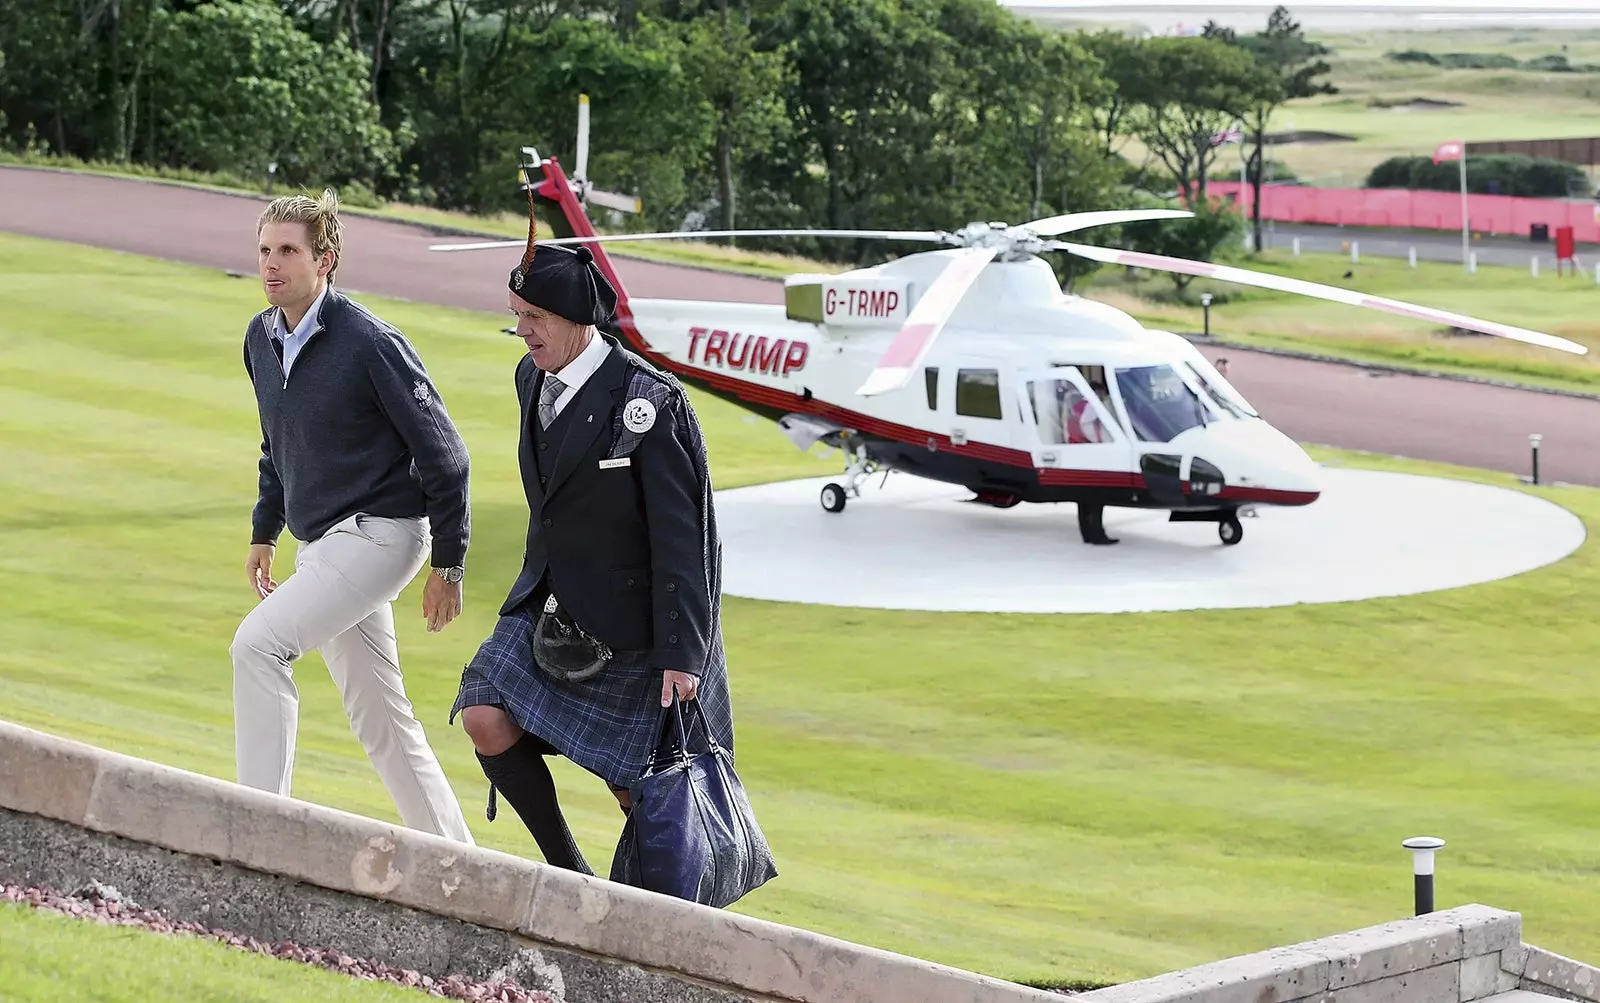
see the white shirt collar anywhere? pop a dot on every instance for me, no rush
(577, 372)
(280, 329)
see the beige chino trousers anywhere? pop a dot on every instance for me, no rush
(339, 602)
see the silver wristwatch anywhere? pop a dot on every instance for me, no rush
(451, 575)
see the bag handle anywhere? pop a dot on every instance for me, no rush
(663, 733)
(705, 727)
(664, 729)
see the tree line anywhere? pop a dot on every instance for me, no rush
(723, 113)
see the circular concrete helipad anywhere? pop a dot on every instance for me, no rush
(915, 544)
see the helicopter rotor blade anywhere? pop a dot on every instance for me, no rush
(926, 236)
(1266, 280)
(1052, 226)
(927, 319)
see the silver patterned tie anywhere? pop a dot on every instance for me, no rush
(547, 399)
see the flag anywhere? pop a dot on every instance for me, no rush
(1453, 150)
(1232, 134)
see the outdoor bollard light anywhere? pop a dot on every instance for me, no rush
(1205, 302)
(1422, 848)
(272, 169)
(1533, 440)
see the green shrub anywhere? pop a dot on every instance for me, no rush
(1489, 174)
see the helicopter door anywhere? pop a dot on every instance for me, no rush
(1075, 429)
(974, 403)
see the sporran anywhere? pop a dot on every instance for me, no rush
(563, 650)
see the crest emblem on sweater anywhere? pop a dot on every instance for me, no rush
(420, 392)
(638, 415)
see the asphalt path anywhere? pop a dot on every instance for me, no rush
(1431, 245)
(1327, 403)
(391, 259)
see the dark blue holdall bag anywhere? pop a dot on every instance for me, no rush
(692, 833)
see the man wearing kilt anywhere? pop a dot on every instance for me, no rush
(617, 604)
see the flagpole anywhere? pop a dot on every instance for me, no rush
(1466, 244)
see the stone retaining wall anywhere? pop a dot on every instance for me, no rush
(202, 849)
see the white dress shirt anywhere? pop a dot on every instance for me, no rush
(577, 372)
(293, 342)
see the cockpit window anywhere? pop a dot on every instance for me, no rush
(1159, 404)
(1232, 403)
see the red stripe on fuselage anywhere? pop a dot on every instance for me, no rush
(1268, 496)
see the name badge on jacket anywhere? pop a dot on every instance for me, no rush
(621, 461)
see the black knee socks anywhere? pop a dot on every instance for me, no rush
(521, 775)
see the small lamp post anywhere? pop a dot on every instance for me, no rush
(1422, 848)
(1534, 440)
(1205, 303)
(272, 170)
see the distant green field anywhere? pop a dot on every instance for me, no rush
(1048, 798)
(1491, 104)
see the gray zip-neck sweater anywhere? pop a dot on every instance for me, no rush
(356, 426)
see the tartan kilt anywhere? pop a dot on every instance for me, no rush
(605, 724)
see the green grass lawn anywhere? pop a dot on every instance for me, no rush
(46, 956)
(1034, 797)
(1564, 306)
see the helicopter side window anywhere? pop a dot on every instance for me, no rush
(978, 393)
(1064, 415)
(1160, 405)
(931, 375)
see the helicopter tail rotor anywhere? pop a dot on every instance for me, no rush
(1316, 290)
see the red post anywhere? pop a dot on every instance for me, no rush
(1566, 248)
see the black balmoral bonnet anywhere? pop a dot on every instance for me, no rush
(565, 281)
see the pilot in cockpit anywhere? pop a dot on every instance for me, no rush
(1081, 423)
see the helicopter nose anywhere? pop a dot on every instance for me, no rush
(1260, 463)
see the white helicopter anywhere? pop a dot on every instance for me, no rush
(969, 365)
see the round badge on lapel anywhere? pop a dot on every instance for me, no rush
(639, 415)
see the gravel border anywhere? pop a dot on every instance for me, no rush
(104, 904)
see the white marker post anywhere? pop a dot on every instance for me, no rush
(1535, 265)
(1297, 254)
(1422, 848)
(1413, 255)
(1355, 252)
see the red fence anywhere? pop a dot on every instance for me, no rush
(1401, 208)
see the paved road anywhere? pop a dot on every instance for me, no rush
(391, 259)
(1431, 245)
(1326, 403)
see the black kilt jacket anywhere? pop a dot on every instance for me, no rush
(633, 555)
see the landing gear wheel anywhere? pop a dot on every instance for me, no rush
(1230, 530)
(833, 497)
